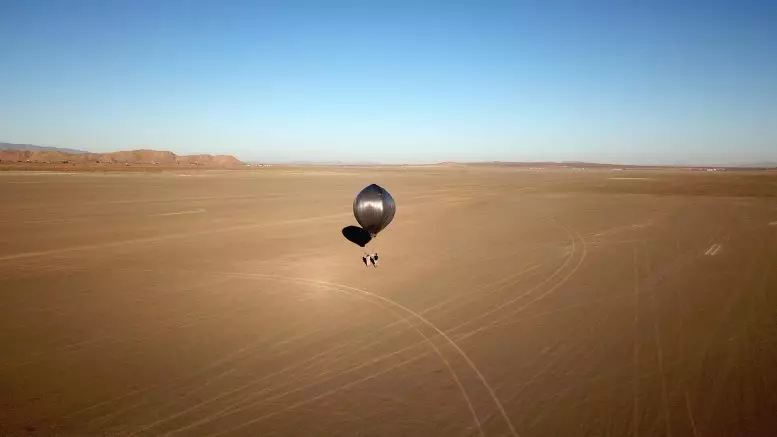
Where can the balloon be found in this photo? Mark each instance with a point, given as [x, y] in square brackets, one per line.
[374, 209]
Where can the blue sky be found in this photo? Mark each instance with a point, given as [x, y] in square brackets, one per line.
[399, 81]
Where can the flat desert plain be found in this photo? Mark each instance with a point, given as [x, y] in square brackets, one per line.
[507, 302]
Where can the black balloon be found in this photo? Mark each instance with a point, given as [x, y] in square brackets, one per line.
[374, 208]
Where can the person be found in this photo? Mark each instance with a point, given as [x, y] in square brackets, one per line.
[373, 259]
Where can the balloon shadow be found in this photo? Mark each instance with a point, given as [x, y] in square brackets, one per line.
[356, 235]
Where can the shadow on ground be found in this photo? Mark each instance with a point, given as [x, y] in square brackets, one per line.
[356, 235]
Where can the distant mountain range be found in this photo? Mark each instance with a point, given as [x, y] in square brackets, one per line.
[27, 153]
[31, 148]
[763, 164]
[333, 163]
[579, 164]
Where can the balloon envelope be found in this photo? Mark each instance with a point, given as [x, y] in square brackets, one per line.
[374, 209]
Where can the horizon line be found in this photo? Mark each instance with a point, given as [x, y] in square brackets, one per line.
[753, 165]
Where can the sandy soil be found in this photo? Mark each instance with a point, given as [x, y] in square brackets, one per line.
[507, 303]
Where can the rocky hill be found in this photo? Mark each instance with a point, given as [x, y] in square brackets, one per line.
[131, 157]
[210, 160]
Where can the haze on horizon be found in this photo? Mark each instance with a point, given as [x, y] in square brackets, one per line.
[600, 81]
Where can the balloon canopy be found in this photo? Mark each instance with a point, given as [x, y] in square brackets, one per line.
[374, 208]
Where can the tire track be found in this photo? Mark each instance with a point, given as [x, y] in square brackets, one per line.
[510, 282]
[496, 322]
[580, 243]
[315, 358]
[114, 339]
[381, 372]
[392, 307]
[166, 388]
[247, 352]
[332, 376]
[690, 415]
[510, 279]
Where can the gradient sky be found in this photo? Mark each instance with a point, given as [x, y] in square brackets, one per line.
[398, 81]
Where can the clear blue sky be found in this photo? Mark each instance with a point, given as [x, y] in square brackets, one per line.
[395, 81]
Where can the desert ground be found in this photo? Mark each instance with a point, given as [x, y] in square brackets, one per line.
[507, 302]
